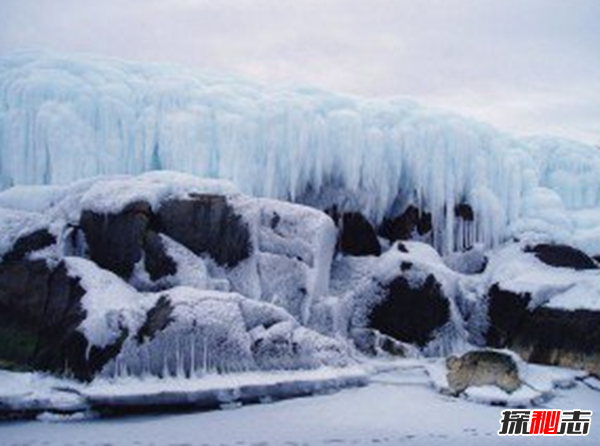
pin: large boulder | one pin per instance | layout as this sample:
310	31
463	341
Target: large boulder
121	275
407	294
547	314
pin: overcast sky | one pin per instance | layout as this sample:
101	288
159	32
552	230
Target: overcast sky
528	66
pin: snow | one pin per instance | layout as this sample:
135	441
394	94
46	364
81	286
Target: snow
37	391
15	224
375	155
191	269
398	407
561	288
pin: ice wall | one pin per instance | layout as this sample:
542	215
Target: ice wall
63	118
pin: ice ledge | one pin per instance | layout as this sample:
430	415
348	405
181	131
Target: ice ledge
31	395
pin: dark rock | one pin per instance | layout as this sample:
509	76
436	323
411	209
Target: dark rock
157	319
207	224
411	314
40	312
464	211
404	226
115	241
30	243
358	237
563	256
156	260
544	335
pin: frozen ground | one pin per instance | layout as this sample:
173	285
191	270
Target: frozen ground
399	407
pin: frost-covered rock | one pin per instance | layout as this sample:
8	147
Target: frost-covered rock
189	332
407	293
102	272
153	230
548	314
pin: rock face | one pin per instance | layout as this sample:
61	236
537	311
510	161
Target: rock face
563	256
544	335
116	241
207	224
482	368
133	285
358	237
40	310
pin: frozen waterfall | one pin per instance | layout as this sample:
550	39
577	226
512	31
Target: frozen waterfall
65	117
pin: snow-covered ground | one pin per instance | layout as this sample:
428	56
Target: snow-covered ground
398	407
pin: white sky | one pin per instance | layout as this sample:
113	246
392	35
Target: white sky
528	66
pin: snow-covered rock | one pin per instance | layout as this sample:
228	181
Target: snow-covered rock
407	293
122	274
546	312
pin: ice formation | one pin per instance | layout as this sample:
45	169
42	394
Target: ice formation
300	144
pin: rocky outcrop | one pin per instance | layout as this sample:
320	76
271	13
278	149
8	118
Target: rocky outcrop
205	224
41	311
569	338
482	368
405	295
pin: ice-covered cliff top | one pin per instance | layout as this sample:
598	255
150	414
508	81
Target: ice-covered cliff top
66	117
